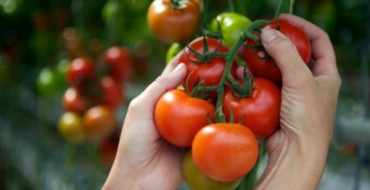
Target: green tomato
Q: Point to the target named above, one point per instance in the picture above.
(196, 180)
(231, 25)
(172, 51)
(48, 83)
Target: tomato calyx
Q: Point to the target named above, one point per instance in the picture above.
(243, 88)
(177, 4)
(206, 56)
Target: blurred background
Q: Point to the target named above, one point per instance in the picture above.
(39, 40)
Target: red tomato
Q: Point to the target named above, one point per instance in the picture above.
(99, 123)
(211, 70)
(225, 151)
(178, 117)
(80, 72)
(74, 101)
(260, 111)
(266, 67)
(112, 92)
(119, 63)
(108, 149)
(174, 21)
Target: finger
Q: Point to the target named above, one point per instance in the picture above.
(172, 64)
(322, 50)
(163, 83)
(285, 54)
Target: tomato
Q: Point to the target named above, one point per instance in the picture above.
(266, 67)
(196, 180)
(231, 25)
(174, 20)
(119, 63)
(112, 93)
(108, 149)
(172, 51)
(178, 116)
(211, 71)
(48, 82)
(260, 111)
(80, 72)
(71, 127)
(99, 122)
(74, 101)
(225, 151)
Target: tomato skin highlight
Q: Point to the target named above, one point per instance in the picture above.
(119, 63)
(80, 72)
(178, 117)
(266, 67)
(225, 151)
(260, 112)
(174, 23)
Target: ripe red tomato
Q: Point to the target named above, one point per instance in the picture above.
(260, 111)
(266, 67)
(80, 72)
(210, 71)
(225, 151)
(99, 123)
(74, 101)
(108, 149)
(112, 93)
(119, 63)
(196, 180)
(178, 117)
(174, 21)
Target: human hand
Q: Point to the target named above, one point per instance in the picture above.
(144, 160)
(298, 150)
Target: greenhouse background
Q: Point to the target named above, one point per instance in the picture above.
(42, 36)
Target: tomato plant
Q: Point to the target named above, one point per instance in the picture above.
(225, 151)
(204, 69)
(231, 25)
(99, 122)
(119, 63)
(71, 127)
(262, 65)
(196, 180)
(174, 20)
(260, 111)
(80, 72)
(112, 93)
(178, 116)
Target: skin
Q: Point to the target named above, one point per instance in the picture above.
(309, 99)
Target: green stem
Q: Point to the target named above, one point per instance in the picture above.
(285, 6)
(204, 15)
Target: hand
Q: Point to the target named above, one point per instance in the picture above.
(144, 160)
(298, 150)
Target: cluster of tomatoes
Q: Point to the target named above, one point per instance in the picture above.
(221, 116)
(95, 92)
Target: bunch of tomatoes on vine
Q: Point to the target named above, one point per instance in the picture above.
(222, 118)
(95, 92)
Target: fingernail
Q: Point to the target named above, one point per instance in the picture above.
(179, 68)
(268, 35)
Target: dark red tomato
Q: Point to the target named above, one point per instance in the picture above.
(74, 101)
(178, 116)
(260, 111)
(266, 67)
(210, 71)
(112, 92)
(225, 151)
(108, 149)
(80, 72)
(119, 63)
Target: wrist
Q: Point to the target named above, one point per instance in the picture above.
(294, 165)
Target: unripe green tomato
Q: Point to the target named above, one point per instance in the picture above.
(196, 180)
(231, 25)
(172, 51)
(48, 83)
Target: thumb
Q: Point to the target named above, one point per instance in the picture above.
(286, 56)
